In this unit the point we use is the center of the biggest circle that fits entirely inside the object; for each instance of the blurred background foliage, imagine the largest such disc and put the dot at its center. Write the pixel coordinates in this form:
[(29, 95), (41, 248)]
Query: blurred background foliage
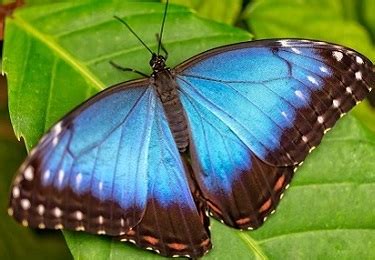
[(348, 22)]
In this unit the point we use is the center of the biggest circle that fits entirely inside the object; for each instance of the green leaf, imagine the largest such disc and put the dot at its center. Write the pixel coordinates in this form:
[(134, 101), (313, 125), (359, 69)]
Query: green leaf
[(226, 12), (366, 114), (334, 21), (56, 56), (367, 9)]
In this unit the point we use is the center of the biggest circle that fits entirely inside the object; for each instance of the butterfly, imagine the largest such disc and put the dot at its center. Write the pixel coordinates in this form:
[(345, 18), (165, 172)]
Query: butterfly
[(221, 134)]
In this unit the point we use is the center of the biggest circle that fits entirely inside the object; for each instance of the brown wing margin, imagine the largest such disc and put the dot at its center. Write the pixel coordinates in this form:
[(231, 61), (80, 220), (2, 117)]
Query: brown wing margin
[(179, 231)]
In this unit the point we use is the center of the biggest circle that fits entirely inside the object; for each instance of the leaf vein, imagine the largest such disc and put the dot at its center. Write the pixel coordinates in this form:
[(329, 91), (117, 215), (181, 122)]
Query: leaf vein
[(59, 51)]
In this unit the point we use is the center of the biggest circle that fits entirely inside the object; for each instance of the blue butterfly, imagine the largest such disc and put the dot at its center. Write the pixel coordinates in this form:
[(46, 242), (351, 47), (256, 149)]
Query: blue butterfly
[(146, 161)]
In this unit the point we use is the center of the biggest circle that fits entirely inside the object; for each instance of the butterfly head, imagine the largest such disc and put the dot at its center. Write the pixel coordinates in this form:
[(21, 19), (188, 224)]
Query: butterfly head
[(157, 62)]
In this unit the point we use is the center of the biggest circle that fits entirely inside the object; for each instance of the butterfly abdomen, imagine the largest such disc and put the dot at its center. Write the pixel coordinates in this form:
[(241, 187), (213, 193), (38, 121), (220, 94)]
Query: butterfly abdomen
[(166, 87)]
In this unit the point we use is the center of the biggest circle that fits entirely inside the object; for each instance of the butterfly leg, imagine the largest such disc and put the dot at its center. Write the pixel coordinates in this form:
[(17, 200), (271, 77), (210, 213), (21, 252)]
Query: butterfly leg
[(162, 46), (128, 69)]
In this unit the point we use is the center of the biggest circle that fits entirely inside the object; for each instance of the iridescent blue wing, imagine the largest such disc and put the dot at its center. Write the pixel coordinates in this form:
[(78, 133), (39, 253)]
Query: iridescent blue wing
[(112, 167), (255, 111)]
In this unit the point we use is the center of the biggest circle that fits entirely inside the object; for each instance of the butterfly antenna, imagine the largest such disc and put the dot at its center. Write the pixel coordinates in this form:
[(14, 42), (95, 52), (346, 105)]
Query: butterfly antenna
[(162, 26), (131, 30)]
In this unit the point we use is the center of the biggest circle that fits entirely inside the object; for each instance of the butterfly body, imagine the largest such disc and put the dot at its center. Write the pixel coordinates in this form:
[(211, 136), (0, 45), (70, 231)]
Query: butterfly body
[(249, 113), (167, 89)]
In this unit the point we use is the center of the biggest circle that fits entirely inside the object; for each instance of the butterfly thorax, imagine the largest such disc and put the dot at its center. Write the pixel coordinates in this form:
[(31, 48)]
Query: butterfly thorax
[(166, 88)]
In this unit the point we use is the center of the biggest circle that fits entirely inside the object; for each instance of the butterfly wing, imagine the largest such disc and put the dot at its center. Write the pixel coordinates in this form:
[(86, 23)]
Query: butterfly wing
[(256, 110), (181, 226), (108, 168)]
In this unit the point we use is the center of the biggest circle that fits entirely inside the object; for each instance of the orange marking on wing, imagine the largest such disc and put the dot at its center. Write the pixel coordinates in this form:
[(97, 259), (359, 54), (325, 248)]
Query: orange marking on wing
[(243, 221), (151, 240), (266, 205), (205, 242), (279, 183), (130, 232), (177, 246)]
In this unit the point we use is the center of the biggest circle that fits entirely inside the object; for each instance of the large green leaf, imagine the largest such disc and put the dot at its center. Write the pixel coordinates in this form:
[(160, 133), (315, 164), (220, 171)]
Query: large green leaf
[(56, 56), (334, 21), (227, 11)]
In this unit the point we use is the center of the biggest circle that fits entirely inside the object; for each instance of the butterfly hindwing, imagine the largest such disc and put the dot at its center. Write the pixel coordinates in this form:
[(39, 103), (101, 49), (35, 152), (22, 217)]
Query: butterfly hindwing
[(112, 167), (176, 226), (239, 188), (256, 110)]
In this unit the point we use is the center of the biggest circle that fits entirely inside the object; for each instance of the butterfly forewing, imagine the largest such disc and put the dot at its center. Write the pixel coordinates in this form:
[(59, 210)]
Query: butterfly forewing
[(74, 178)]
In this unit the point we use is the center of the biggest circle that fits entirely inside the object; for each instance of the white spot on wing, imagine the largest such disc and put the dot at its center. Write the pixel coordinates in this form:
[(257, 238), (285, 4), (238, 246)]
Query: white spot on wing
[(101, 220), (60, 176), (299, 94), (25, 204), (323, 69), (100, 185), (359, 60), (78, 180), (295, 50), (80, 228), (16, 192), (284, 43), (284, 114), (46, 175), (10, 212), (349, 90), (312, 80), (337, 55), (320, 119), (358, 75), (57, 212), (304, 139), (55, 141), (59, 226), (57, 129), (41, 226), (29, 173), (79, 215), (40, 209), (336, 103)]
